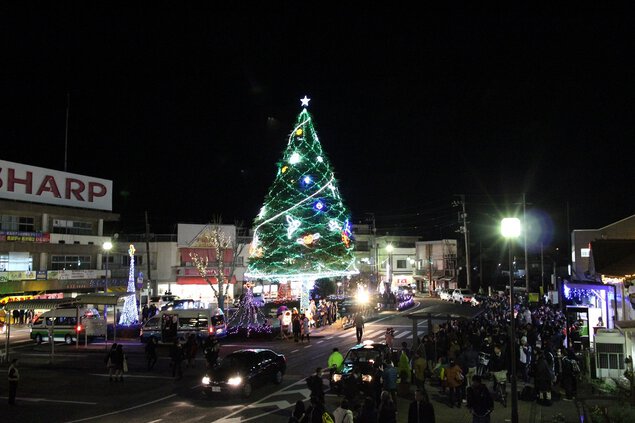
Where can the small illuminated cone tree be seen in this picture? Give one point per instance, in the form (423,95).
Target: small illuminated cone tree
(303,230)
(130,312)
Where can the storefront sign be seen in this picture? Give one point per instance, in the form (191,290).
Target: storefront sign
(39,185)
(17,276)
(75,274)
(14,236)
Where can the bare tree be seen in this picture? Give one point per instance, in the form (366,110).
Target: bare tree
(214,237)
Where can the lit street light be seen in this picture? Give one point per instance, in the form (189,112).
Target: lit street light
(107,246)
(510,229)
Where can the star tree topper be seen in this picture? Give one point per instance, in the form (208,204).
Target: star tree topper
(305,101)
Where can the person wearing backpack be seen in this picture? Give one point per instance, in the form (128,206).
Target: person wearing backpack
(479,401)
(316,413)
(570,373)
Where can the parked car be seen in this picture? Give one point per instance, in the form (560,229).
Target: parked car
(445,295)
(462,295)
(361,357)
(243,370)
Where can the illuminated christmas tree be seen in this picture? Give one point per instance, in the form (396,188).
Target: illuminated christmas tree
(303,230)
(130,313)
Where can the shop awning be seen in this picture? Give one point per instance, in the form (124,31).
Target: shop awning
(49,304)
(614,257)
(39,304)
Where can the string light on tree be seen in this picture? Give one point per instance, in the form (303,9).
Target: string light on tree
(314,205)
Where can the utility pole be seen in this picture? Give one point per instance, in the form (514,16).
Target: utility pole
(525,240)
(68,106)
(151,284)
(374,246)
(464,230)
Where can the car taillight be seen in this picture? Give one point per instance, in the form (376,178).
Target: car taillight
(79,328)
(211,330)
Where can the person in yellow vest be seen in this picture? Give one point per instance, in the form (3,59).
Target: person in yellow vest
(334,363)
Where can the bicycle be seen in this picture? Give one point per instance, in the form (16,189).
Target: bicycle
(500,387)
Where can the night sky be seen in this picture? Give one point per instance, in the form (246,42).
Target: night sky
(187,109)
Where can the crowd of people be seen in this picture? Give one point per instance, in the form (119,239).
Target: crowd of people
(458,358)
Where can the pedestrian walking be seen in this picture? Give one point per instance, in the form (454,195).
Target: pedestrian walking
(315,412)
(191,349)
(306,329)
(314,382)
(211,350)
(389,378)
(176,357)
(119,362)
(455,379)
(359,327)
(389,337)
(421,410)
(110,364)
(13,377)
(151,352)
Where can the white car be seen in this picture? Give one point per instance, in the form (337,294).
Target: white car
(445,295)
(462,295)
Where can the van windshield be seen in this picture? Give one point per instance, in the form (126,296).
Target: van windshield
(218,320)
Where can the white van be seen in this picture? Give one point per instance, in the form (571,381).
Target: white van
(169,325)
(63,323)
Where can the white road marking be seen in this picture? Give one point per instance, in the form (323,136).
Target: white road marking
(258,404)
(52,400)
(155,421)
(133,376)
(308,346)
(124,410)
(402,334)
(295,351)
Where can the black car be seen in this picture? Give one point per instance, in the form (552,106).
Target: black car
(361,359)
(243,370)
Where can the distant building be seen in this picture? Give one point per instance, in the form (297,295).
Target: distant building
(436,264)
(52,231)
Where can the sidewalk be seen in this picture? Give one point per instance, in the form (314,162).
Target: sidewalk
(528,412)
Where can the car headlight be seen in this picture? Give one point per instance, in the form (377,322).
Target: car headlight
(337,377)
(367,378)
(206,380)
(234,381)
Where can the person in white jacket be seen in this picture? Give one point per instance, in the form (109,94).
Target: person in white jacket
(342,413)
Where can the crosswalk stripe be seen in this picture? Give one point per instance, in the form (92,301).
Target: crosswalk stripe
(372,333)
(403,334)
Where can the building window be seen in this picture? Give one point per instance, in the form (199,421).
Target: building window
(402,264)
(70,263)
(585,252)
(610,356)
(17,223)
(138,260)
(16,262)
(72,227)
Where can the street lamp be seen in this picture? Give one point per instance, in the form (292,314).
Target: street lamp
(107,246)
(510,229)
(389,249)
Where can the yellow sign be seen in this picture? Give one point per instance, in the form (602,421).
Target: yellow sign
(534,297)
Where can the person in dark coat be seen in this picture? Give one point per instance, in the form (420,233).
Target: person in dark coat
(543,378)
(314,413)
(387,412)
(298,412)
(421,410)
(151,352)
(570,372)
(368,412)
(315,384)
(176,355)
(479,401)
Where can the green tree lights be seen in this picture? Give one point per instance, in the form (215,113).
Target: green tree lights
(303,230)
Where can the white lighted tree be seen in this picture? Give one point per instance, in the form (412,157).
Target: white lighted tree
(130,313)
